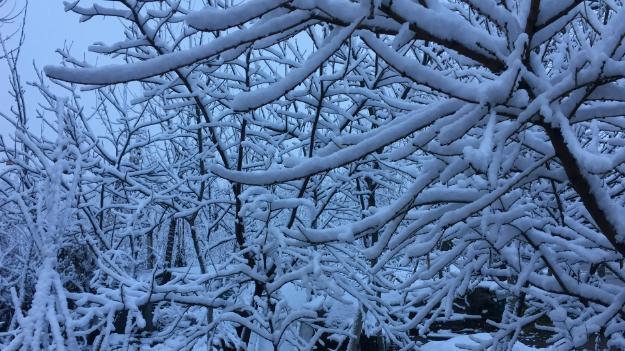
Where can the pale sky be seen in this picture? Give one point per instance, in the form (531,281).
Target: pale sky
(49,27)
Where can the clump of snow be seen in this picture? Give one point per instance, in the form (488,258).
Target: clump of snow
(466,342)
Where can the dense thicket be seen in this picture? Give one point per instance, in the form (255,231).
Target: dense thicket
(310,174)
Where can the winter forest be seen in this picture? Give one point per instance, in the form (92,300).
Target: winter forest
(355,175)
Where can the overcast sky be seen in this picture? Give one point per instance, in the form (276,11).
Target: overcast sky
(49,27)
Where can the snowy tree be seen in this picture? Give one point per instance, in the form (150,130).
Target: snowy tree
(274,174)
